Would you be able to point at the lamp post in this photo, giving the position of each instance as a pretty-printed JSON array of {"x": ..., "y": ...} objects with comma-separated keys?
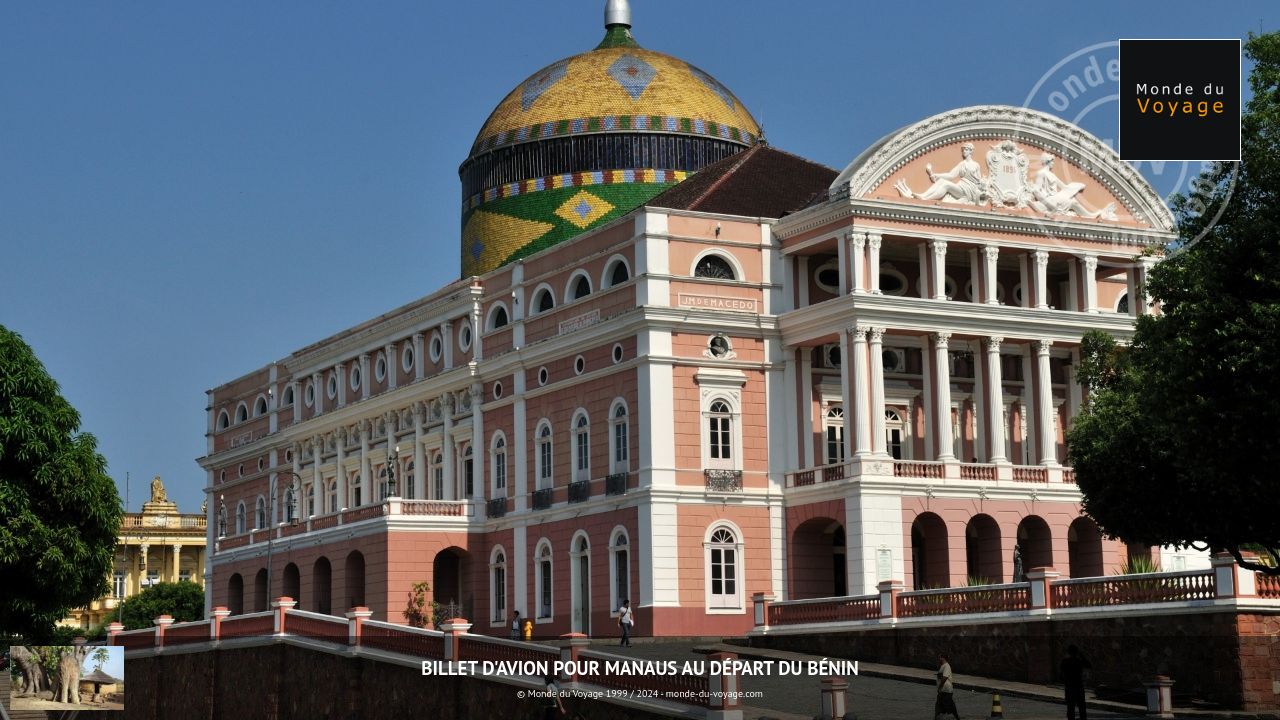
[{"x": 272, "y": 524}]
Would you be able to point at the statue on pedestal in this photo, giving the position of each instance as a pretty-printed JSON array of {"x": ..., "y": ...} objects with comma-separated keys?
[{"x": 157, "y": 491}]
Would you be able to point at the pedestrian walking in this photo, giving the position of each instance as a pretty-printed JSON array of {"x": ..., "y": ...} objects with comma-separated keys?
[
  {"x": 1074, "y": 667},
  {"x": 515, "y": 625},
  {"x": 626, "y": 619},
  {"x": 946, "y": 702}
]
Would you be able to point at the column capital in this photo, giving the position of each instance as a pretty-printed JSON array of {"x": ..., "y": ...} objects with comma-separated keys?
[
  {"x": 364, "y": 357},
  {"x": 876, "y": 334},
  {"x": 447, "y": 325},
  {"x": 858, "y": 332},
  {"x": 1041, "y": 257},
  {"x": 1042, "y": 346},
  {"x": 941, "y": 339},
  {"x": 993, "y": 343},
  {"x": 991, "y": 252},
  {"x": 417, "y": 337},
  {"x": 1090, "y": 262},
  {"x": 939, "y": 247},
  {"x": 857, "y": 237},
  {"x": 874, "y": 238}
]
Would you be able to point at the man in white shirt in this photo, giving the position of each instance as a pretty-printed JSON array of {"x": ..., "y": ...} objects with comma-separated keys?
[
  {"x": 946, "y": 703},
  {"x": 625, "y": 620}
]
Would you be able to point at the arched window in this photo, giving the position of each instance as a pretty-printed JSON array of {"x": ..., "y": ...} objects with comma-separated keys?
[
  {"x": 290, "y": 497},
  {"x": 1122, "y": 305},
  {"x": 543, "y": 580},
  {"x": 620, "y": 453},
  {"x": 619, "y": 570},
  {"x": 579, "y": 287},
  {"x": 240, "y": 518},
  {"x": 582, "y": 448},
  {"x": 242, "y": 413},
  {"x": 617, "y": 273},
  {"x": 260, "y": 514},
  {"x": 723, "y": 560},
  {"x": 288, "y": 394},
  {"x": 720, "y": 434},
  {"x": 333, "y": 496},
  {"x": 714, "y": 267},
  {"x": 544, "y": 456},
  {"x": 543, "y": 301},
  {"x": 499, "y": 464},
  {"x": 895, "y": 431},
  {"x": 260, "y": 406},
  {"x": 357, "y": 490},
  {"x": 498, "y": 317},
  {"x": 224, "y": 420},
  {"x": 498, "y": 585},
  {"x": 834, "y": 432},
  {"x": 311, "y": 500},
  {"x": 437, "y": 476}
]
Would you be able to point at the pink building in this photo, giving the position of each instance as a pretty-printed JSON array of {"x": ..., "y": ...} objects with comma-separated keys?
[{"x": 685, "y": 367}]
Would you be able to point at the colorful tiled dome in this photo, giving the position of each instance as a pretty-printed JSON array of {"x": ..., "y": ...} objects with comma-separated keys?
[{"x": 587, "y": 139}]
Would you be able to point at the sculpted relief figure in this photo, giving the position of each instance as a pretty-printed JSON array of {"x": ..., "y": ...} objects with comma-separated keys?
[
  {"x": 1056, "y": 197},
  {"x": 964, "y": 183}
]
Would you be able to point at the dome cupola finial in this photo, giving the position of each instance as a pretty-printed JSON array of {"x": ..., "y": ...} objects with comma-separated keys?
[{"x": 617, "y": 12}]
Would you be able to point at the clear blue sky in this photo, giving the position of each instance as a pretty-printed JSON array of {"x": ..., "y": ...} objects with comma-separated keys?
[
  {"x": 114, "y": 665},
  {"x": 189, "y": 191}
]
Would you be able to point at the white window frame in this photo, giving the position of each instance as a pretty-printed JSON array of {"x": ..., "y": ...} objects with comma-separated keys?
[
  {"x": 260, "y": 513},
  {"x": 544, "y": 458},
  {"x": 435, "y": 346},
  {"x": 224, "y": 420},
  {"x": 332, "y": 495},
  {"x": 261, "y": 406},
  {"x": 738, "y": 274},
  {"x": 533, "y": 299},
  {"x": 580, "y": 431},
  {"x": 242, "y": 413},
  {"x": 242, "y": 518},
  {"x": 437, "y": 473},
  {"x": 498, "y": 465},
  {"x": 887, "y": 269},
  {"x": 833, "y": 431},
  {"x": 615, "y": 548},
  {"x": 724, "y": 603},
  {"x": 619, "y": 437},
  {"x": 734, "y": 418},
  {"x": 119, "y": 585},
  {"x": 573, "y": 280},
  {"x": 543, "y": 553},
  {"x": 606, "y": 277},
  {"x": 355, "y": 491},
  {"x": 498, "y": 582},
  {"x": 491, "y": 317}
]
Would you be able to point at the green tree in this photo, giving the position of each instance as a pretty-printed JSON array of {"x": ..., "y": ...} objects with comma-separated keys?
[
  {"x": 59, "y": 511},
  {"x": 1178, "y": 444},
  {"x": 183, "y": 601}
]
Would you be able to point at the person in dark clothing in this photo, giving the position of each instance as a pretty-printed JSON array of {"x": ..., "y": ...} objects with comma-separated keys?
[{"x": 1073, "y": 669}]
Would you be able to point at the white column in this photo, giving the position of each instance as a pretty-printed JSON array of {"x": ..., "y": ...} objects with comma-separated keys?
[
  {"x": 873, "y": 261},
  {"x": 929, "y": 400},
  {"x": 857, "y": 248},
  {"x": 366, "y": 474},
  {"x": 804, "y": 418},
  {"x": 322, "y": 497},
  {"x": 177, "y": 554},
  {"x": 842, "y": 263},
  {"x": 297, "y": 401},
  {"x": 877, "y": 391},
  {"x": 340, "y": 442},
  {"x": 1027, "y": 409},
  {"x": 942, "y": 424},
  {"x": 317, "y": 391},
  {"x": 990, "y": 255},
  {"x": 923, "y": 257},
  {"x": 975, "y": 274},
  {"x": 1144, "y": 299},
  {"x": 446, "y": 337},
  {"x": 477, "y": 344},
  {"x": 299, "y": 493},
  {"x": 365, "y": 378},
  {"x": 393, "y": 365},
  {"x": 446, "y": 446},
  {"x": 1042, "y": 279},
  {"x": 418, "y": 365},
  {"x": 1131, "y": 281},
  {"x": 848, "y": 401},
  {"x": 419, "y": 455},
  {"x": 339, "y": 375},
  {"x": 861, "y": 382},
  {"x": 478, "y": 445},
  {"x": 995, "y": 400},
  {"x": 939, "y": 248},
  {"x": 978, "y": 402},
  {"x": 1044, "y": 402},
  {"x": 1089, "y": 265},
  {"x": 1073, "y": 286}
]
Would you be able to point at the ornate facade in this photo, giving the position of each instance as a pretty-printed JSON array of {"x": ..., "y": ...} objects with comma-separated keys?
[{"x": 771, "y": 377}]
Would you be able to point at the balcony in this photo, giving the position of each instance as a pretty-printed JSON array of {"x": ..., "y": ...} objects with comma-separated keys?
[
  {"x": 579, "y": 491},
  {"x": 456, "y": 511},
  {"x": 495, "y": 507},
  {"x": 931, "y": 471},
  {"x": 542, "y": 499},
  {"x": 616, "y": 484},
  {"x": 723, "y": 481}
]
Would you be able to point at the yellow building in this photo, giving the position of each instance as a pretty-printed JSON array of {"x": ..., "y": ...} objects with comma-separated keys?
[{"x": 156, "y": 545}]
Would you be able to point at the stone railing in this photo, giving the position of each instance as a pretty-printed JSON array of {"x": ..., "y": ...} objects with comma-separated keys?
[
  {"x": 1043, "y": 593},
  {"x": 388, "y": 507},
  {"x": 260, "y": 623},
  {"x": 439, "y": 508},
  {"x": 1030, "y": 473},
  {"x": 1068, "y": 475},
  {"x": 318, "y": 626},
  {"x": 724, "y": 481},
  {"x": 975, "y": 471},
  {"x": 919, "y": 469},
  {"x": 402, "y": 639}
]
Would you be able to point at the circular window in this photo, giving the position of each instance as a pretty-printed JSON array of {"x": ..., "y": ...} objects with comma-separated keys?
[
  {"x": 617, "y": 353},
  {"x": 579, "y": 364},
  {"x": 261, "y": 462},
  {"x": 892, "y": 282},
  {"x": 968, "y": 292},
  {"x": 464, "y": 337},
  {"x": 891, "y": 360},
  {"x": 222, "y": 476},
  {"x": 1017, "y": 294},
  {"x": 827, "y": 276},
  {"x": 309, "y": 395},
  {"x": 718, "y": 346},
  {"x": 288, "y": 456},
  {"x": 542, "y": 376},
  {"x": 497, "y": 390},
  {"x": 240, "y": 470},
  {"x": 406, "y": 358},
  {"x": 380, "y": 368},
  {"x": 333, "y": 385},
  {"x": 355, "y": 378},
  {"x": 949, "y": 286},
  {"x": 833, "y": 356},
  {"x": 437, "y": 348}
]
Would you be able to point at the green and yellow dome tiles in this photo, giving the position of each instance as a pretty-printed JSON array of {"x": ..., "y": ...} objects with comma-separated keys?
[{"x": 588, "y": 139}]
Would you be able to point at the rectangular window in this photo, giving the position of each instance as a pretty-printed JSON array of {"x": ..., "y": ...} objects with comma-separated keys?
[
  {"x": 153, "y": 577},
  {"x": 468, "y": 475},
  {"x": 620, "y": 444},
  {"x": 622, "y": 587},
  {"x": 439, "y": 482},
  {"x": 118, "y": 585},
  {"x": 500, "y": 470},
  {"x": 499, "y": 593},
  {"x": 544, "y": 465},
  {"x": 720, "y": 438},
  {"x": 544, "y": 605}
]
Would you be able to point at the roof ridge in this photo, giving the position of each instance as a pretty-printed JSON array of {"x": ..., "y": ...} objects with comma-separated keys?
[{"x": 742, "y": 159}]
